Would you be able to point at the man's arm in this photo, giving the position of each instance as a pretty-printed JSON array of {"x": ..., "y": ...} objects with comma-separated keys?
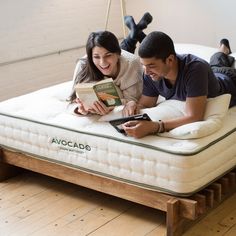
[{"x": 194, "y": 109}]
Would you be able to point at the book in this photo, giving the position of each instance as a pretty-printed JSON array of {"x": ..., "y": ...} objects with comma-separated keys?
[{"x": 104, "y": 90}]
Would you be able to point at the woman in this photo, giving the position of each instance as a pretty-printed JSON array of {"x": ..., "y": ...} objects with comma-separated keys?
[{"x": 105, "y": 59}]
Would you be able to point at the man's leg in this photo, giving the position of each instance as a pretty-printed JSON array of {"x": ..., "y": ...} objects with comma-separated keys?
[{"x": 222, "y": 58}]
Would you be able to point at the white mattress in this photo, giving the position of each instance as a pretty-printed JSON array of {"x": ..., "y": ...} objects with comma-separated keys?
[{"x": 42, "y": 124}]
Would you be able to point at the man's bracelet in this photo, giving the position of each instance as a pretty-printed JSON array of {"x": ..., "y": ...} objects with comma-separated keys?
[{"x": 161, "y": 127}]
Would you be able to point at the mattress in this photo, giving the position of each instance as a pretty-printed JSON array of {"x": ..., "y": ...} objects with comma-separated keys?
[{"x": 42, "y": 124}]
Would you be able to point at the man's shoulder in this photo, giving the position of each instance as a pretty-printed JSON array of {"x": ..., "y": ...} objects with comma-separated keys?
[
  {"x": 189, "y": 58},
  {"x": 188, "y": 61}
]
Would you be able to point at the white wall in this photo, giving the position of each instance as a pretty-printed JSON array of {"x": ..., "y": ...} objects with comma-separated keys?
[
  {"x": 41, "y": 40},
  {"x": 190, "y": 21},
  {"x": 29, "y": 28}
]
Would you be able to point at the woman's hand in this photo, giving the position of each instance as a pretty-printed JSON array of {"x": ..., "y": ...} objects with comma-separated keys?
[
  {"x": 80, "y": 109},
  {"x": 97, "y": 108},
  {"x": 131, "y": 108},
  {"x": 100, "y": 108}
]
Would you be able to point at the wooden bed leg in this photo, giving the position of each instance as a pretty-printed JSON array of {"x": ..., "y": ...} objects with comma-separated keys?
[
  {"x": 7, "y": 171},
  {"x": 174, "y": 221}
]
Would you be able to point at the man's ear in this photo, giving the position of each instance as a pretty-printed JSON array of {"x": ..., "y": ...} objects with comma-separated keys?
[{"x": 170, "y": 59}]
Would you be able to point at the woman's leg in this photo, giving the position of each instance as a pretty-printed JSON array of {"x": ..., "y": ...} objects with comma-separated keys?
[{"x": 136, "y": 33}]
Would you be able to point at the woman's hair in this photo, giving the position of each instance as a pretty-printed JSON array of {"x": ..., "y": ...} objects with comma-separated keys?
[
  {"x": 89, "y": 72},
  {"x": 156, "y": 44}
]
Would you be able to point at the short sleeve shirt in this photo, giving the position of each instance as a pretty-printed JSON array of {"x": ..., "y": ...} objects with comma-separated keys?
[{"x": 195, "y": 78}]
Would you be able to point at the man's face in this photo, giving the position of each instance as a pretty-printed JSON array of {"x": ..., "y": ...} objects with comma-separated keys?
[{"x": 156, "y": 68}]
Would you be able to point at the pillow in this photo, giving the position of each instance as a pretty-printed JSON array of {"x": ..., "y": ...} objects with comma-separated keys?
[
  {"x": 193, "y": 130},
  {"x": 216, "y": 109},
  {"x": 166, "y": 109}
]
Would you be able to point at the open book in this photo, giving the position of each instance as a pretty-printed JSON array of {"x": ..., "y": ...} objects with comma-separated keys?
[{"x": 104, "y": 91}]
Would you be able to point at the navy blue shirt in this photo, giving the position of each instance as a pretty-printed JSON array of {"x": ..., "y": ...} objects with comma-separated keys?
[{"x": 195, "y": 78}]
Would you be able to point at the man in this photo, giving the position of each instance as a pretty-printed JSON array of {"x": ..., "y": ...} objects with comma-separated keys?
[{"x": 180, "y": 77}]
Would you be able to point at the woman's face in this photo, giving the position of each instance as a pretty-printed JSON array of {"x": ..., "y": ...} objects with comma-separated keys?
[{"x": 105, "y": 61}]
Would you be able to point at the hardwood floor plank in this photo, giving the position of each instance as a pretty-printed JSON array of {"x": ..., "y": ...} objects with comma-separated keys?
[
  {"x": 73, "y": 220},
  {"x": 104, "y": 213},
  {"x": 231, "y": 231},
  {"x": 43, "y": 214},
  {"x": 136, "y": 221},
  {"x": 160, "y": 230}
]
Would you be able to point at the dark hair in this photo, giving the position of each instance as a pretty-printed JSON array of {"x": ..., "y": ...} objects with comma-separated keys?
[
  {"x": 89, "y": 72},
  {"x": 156, "y": 44}
]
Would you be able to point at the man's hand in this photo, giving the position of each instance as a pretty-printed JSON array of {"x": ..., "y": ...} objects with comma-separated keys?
[{"x": 139, "y": 129}]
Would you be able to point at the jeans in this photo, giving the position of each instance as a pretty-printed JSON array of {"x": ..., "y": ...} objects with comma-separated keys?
[{"x": 222, "y": 63}]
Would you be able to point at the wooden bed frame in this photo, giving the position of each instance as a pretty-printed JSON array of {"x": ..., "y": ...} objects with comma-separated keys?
[{"x": 179, "y": 210}]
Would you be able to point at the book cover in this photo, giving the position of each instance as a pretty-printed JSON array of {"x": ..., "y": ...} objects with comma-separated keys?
[{"x": 104, "y": 91}]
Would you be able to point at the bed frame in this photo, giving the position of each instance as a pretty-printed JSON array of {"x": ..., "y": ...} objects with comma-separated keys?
[{"x": 180, "y": 211}]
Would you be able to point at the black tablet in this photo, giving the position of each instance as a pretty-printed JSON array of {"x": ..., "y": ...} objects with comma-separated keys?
[{"x": 117, "y": 123}]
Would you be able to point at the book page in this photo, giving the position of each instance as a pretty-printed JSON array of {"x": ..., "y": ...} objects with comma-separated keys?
[{"x": 87, "y": 96}]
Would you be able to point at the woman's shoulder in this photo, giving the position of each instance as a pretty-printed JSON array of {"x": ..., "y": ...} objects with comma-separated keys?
[
  {"x": 81, "y": 60},
  {"x": 128, "y": 59},
  {"x": 130, "y": 69},
  {"x": 129, "y": 56}
]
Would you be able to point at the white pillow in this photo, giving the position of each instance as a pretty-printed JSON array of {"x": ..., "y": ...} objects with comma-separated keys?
[
  {"x": 216, "y": 109},
  {"x": 167, "y": 109}
]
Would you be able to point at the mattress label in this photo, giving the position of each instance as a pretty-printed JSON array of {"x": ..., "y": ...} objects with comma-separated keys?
[{"x": 68, "y": 145}]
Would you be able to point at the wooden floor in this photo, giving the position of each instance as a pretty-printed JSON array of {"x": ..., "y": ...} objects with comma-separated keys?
[{"x": 33, "y": 204}]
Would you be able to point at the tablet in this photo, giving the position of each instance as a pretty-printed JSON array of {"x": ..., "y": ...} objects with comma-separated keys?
[{"x": 117, "y": 123}]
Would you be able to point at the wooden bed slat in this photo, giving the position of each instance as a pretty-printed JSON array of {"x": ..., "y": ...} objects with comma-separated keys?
[
  {"x": 224, "y": 185},
  {"x": 232, "y": 179},
  {"x": 209, "y": 193},
  {"x": 201, "y": 201},
  {"x": 216, "y": 187}
]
